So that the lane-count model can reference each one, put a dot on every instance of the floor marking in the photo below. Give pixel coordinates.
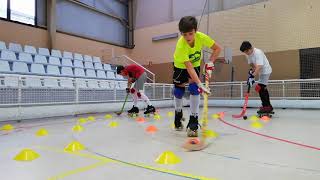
(270, 137)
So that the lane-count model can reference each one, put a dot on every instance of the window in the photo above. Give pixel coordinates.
(23, 11)
(3, 8)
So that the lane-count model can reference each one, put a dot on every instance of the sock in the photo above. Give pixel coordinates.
(194, 104)
(178, 104)
(135, 99)
(145, 99)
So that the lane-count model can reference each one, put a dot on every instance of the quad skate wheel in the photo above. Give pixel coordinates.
(245, 117)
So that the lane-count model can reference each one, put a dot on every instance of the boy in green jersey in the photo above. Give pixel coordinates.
(187, 60)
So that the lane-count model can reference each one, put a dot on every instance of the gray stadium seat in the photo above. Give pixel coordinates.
(119, 77)
(78, 56)
(51, 82)
(110, 75)
(101, 74)
(20, 67)
(96, 59)
(15, 47)
(77, 63)
(25, 57)
(66, 83)
(3, 45)
(53, 70)
(40, 59)
(107, 67)
(33, 82)
(67, 55)
(56, 53)
(93, 84)
(44, 51)
(87, 58)
(81, 83)
(79, 72)
(91, 73)
(30, 49)
(98, 66)
(66, 62)
(88, 65)
(54, 60)
(8, 55)
(37, 69)
(4, 66)
(67, 71)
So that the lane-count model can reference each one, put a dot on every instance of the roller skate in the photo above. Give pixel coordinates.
(178, 126)
(149, 110)
(193, 125)
(265, 111)
(133, 112)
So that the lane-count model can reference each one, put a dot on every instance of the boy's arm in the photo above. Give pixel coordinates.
(216, 52)
(257, 69)
(192, 72)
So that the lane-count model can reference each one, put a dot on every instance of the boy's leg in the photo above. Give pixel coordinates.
(134, 108)
(264, 93)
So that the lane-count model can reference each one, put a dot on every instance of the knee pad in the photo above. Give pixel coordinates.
(178, 92)
(194, 89)
(139, 94)
(132, 90)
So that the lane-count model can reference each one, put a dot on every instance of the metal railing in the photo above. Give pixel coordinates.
(125, 60)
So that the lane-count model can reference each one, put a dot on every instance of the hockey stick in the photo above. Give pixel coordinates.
(124, 103)
(245, 105)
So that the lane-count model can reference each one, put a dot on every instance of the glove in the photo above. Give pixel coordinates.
(203, 89)
(208, 68)
(133, 80)
(250, 80)
(128, 90)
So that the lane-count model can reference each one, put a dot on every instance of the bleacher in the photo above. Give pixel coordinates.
(39, 76)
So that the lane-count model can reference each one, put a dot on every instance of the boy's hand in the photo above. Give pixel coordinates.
(203, 89)
(250, 81)
(209, 67)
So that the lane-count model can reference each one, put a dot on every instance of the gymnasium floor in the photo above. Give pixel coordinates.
(285, 148)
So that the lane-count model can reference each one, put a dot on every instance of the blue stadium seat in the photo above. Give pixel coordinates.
(78, 72)
(3, 45)
(8, 55)
(30, 49)
(87, 58)
(4, 66)
(77, 63)
(25, 57)
(110, 75)
(20, 67)
(44, 52)
(37, 69)
(78, 56)
(54, 60)
(15, 47)
(98, 66)
(96, 59)
(66, 62)
(107, 67)
(67, 55)
(67, 71)
(53, 70)
(91, 73)
(41, 59)
(101, 74)
(88, 65)
(56, 53)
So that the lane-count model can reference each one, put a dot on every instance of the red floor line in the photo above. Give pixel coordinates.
(270, 137)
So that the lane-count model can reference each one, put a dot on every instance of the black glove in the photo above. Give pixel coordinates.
(128, 90)
(250, 80)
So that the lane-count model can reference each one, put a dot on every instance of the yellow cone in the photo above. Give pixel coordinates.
(254, 118)
(157, 117)
(82, 120)
(168, 157)
(256, 125)
(215, 116)
(7, 127)
(91, 118)
(42, 132)
(108, 116)
(113, 124)
(26, 155)
(74, 146)
(210, 134)
(77, 128)
(170, 114)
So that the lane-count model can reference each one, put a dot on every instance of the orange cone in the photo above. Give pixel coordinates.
(265, 119)
(221, 115)
(141, 119)
(151, 129)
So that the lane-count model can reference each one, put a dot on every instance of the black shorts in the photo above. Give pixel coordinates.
(181, 76)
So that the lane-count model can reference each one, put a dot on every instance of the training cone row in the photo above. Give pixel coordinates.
(168, 157)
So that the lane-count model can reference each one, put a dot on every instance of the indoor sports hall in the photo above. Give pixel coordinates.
(70, 70)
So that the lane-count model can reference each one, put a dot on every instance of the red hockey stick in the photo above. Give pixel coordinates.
(245, 105)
